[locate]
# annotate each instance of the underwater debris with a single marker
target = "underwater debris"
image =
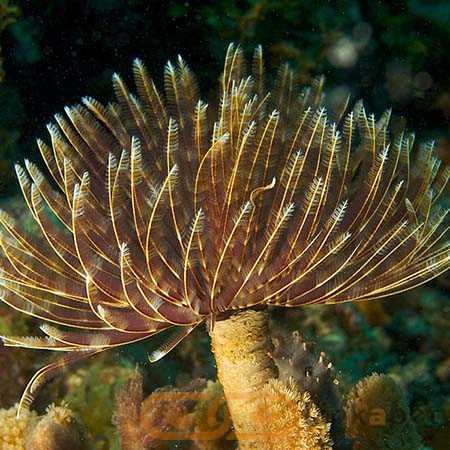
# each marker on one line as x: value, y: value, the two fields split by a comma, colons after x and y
x: 173, y: 213
x: 378, y: 416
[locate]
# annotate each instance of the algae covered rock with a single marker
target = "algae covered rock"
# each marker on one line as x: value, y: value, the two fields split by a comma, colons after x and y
x: 378, y: 416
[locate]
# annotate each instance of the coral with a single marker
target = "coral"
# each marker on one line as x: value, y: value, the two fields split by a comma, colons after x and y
x: 378, y: 416
x: 14, y: 431
x: 290, y: 420
x: 411, y: 348
x: 190, y: 417
x: 57, y: 430
x: 298, y: 363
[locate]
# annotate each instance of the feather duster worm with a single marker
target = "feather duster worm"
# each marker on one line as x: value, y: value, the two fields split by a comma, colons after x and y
x: 166, y: 213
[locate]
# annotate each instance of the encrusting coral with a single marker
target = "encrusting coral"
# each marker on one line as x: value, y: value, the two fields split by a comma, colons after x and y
x: 378, y: 416
x: 58, y: 429
x: 13, y: 430
x: 173, y: 213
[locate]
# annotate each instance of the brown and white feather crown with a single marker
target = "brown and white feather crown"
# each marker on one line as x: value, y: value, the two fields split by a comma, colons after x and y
x: 164, y: 212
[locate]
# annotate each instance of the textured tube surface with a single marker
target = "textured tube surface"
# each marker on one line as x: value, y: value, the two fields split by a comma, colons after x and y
x: 241, y: 345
